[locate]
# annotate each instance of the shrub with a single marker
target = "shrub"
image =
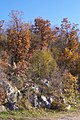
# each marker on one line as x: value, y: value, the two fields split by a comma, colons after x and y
x: 24, y: 104
x: 57, y: 105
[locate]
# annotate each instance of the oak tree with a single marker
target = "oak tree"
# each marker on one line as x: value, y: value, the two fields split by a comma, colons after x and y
x: 18, y: 35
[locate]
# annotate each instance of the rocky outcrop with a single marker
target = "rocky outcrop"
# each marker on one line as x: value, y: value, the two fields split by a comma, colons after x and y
x: 12, y: 94
x: 41, y: 101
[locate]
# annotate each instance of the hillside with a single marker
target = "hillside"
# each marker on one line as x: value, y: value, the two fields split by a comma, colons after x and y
x: 39, y: 66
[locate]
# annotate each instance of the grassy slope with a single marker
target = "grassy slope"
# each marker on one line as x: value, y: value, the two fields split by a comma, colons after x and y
x: 34, y: 114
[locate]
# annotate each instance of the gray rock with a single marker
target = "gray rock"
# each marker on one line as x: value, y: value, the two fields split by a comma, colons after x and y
x: 35, y: 100
x: 41, y: 101
x: 11, y: 105
x: 68, y: 107
x: 12, y: 95
x: 50, y: 100
x: 45, y: 82
x: 46, y: 102
x: 2, y: 108
x: 35, y: 88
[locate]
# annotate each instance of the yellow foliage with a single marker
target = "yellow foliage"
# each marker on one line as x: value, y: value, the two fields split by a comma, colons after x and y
x: 70, y: 84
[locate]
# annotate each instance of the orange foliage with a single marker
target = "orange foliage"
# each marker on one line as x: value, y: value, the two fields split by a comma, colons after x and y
x: 2, y: 95
x: 22, y: 66
x: 44, y: 32
x: 19, y: 37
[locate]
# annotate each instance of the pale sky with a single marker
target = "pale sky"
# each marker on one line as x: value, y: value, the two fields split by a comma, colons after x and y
x: 53, y: 10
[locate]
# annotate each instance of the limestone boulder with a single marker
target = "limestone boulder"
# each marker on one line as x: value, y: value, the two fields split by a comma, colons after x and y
x: 2, y: 108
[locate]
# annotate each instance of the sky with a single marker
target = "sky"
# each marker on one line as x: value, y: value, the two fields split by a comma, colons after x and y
x: 53, y: 10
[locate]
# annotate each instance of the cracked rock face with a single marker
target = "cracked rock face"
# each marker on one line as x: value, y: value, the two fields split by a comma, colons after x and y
x: 10, y: 91
x: 11, y: 95
x: 41, y: 101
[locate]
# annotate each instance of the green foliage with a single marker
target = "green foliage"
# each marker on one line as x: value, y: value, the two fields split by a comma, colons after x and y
x: 43, y: 64
x: 24, y: 104
x: 57, y: 105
